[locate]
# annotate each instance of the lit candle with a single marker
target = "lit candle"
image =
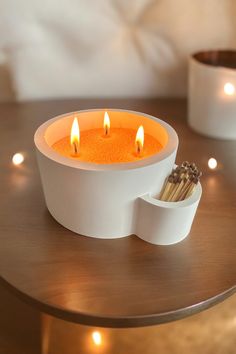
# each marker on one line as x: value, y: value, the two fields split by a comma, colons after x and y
x: 75, y: 138
x: 124, y: 144
x: 107, y: 183
x: 106, y: 125
x: 139, y: 141
x: 212, y: 103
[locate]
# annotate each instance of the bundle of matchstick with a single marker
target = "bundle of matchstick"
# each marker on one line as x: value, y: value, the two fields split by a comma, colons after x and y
x: 181, y: 183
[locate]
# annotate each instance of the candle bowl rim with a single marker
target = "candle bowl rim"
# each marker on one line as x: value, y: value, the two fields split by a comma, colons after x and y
x: 47, y: 151
x: 196, y: 56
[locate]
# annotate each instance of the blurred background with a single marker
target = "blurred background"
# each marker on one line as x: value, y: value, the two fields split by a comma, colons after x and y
x: 106, y: 48
x: 109, y: 48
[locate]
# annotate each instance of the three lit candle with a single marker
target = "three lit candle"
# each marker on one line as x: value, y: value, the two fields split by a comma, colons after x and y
x: 107, y: 145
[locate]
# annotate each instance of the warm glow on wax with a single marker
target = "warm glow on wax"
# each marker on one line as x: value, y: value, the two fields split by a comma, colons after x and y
x: 75, y: 137
x: 229, y: 89
x: 139, y: 141
x: 106, y: 124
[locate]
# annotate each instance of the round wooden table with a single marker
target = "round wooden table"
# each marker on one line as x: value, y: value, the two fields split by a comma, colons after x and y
x: 114, y: 283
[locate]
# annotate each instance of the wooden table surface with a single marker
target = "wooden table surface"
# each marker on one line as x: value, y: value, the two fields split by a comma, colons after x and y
x: 114, y: 283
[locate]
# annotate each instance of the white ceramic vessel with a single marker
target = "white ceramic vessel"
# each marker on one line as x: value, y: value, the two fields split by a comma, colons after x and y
x: 113, y: 200
x: 212, y: 94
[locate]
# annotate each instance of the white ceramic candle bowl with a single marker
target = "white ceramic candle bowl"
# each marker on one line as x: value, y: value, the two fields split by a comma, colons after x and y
x: 212, y: 93
x: 106, y: 200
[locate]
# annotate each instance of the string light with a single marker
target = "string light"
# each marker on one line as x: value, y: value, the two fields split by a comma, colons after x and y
x: 212, y: 163
x: 97, y: 338
x: 17, y: 159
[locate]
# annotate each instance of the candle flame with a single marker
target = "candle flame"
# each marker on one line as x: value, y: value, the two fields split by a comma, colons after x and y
x: 139, y: 141
x: 106, y: 124
x: 75, y: 136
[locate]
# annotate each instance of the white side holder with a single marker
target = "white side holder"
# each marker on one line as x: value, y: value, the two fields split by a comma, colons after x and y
x: 166, y: 223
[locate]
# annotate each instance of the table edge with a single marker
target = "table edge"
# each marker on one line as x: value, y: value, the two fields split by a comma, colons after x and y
x: 115, y: 321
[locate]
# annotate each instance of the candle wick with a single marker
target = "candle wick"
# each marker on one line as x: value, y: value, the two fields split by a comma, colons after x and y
x: 106, y: 131
x: 139, y: 148
x: 76, y: 148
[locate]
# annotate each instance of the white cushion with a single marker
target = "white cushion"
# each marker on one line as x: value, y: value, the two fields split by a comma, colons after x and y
x: 88, y: 48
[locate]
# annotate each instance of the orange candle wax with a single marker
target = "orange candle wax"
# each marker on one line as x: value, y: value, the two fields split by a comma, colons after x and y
x: 119, y: 146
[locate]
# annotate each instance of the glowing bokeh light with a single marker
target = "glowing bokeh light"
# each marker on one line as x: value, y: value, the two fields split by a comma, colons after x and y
x: 212, y: 163
x: 97, y: 338
x: 17, y: 159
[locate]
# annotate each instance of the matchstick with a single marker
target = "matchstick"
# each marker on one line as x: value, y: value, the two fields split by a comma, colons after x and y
x: 167, y: 188
x: 174, y: 189
x: 192, y: 187
x: 175, y: 196
x: 181, y: 183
